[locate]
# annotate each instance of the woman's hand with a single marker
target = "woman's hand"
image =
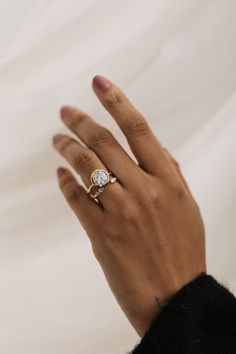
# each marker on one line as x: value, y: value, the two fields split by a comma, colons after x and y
x: 147, y: 232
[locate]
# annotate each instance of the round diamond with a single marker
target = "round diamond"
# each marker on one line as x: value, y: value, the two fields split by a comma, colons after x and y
x: 100, y: 177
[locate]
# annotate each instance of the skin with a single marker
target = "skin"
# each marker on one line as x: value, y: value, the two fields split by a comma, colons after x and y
x: 146, y: 231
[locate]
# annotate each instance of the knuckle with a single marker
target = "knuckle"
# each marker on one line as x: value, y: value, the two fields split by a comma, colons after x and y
x: 74, y: 122
x: 152, y: 198
x: 137, y: 126
x: 73, y: 195
x: 64, y: 183
x: 175, y: 163
x: 177, y: 190
x: 83, y: 159
x: 65, y: 144
x: 113, y: 99
x: 171, y: 158
x: 70, y: 190
x: 102, y: 137
x: 129, y: 213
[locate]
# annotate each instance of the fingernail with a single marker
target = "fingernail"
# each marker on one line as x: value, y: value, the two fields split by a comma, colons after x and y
x: 60, y: 171
x: 67, y: 110
x: 57, y: 138
x: 101, y: 82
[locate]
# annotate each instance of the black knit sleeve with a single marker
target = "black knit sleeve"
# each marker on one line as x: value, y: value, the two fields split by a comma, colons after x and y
x: 199, y: 319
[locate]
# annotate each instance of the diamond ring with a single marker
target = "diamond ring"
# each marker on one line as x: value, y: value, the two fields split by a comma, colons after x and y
x: 99, y: 179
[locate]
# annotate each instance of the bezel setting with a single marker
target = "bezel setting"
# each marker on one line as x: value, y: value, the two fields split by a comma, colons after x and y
x: 100, y: 177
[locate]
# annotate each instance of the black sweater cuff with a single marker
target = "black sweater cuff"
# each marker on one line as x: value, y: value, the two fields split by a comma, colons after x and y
x: 200, y: 318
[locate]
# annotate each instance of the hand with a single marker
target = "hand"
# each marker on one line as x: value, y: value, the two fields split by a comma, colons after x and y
x: 146, y: 231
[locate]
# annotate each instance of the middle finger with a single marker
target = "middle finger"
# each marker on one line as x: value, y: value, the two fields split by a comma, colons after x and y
x: 101, y: 140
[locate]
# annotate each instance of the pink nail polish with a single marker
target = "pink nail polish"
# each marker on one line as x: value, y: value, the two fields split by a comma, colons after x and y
x: 101, y: 83
x: 57, y: 138
x: 60, y: 171
x: 67, y: 110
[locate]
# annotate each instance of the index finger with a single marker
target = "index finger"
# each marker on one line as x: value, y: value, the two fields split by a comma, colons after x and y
x: 142, y: 141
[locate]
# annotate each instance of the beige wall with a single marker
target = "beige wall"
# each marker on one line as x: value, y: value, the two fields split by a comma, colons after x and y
x: 177, y: 61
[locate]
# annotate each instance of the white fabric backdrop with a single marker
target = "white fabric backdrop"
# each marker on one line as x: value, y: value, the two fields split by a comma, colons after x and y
x: 176, y: 59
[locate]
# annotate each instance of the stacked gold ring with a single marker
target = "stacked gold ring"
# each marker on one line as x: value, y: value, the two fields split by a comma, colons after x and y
x: 99, y: 179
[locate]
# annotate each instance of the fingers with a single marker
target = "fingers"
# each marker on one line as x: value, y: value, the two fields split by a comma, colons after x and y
x: 141, y: 139
x: 85, y: 161
x: 89, y: 213
x: 100, y: 140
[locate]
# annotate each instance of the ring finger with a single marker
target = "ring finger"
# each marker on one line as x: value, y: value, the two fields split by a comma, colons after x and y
x: 85, y: 161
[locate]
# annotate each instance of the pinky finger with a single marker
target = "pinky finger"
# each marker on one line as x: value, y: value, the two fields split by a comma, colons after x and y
x: 88, y: 212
